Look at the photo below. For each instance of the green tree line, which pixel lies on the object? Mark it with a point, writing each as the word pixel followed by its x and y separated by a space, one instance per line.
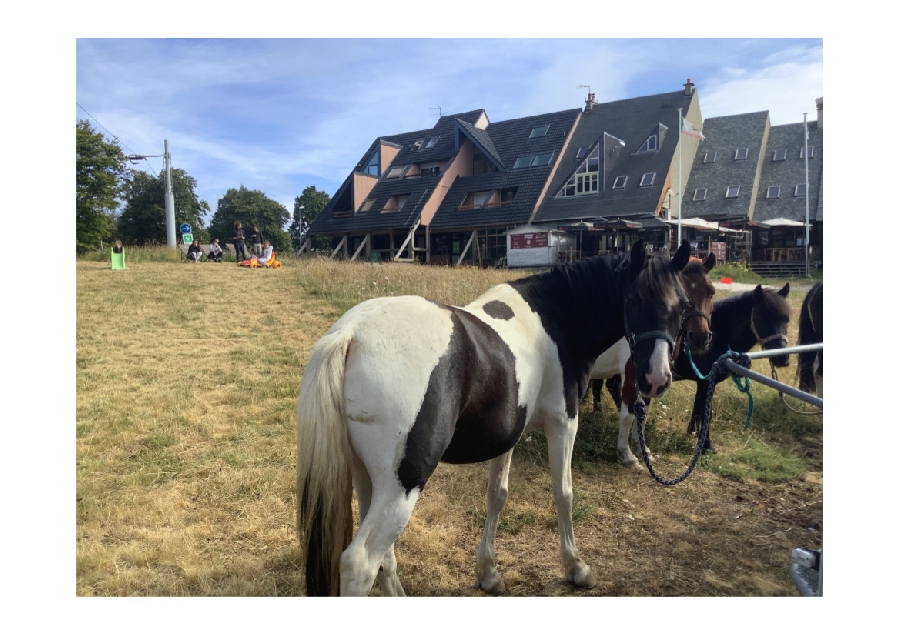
pixel 104 184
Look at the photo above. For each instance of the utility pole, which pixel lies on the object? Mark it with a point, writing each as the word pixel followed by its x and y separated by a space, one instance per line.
pixel 170 201
pixel 170 198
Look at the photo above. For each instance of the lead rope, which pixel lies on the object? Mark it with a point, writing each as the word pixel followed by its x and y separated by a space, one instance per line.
pixel 718 372
pixel 816 411
pixel 742 383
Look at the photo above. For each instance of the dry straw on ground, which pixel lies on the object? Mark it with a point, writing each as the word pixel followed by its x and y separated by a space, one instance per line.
pixel 187 379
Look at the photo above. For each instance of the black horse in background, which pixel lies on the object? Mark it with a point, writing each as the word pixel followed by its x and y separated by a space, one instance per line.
pixel 739 323
pixel 809 365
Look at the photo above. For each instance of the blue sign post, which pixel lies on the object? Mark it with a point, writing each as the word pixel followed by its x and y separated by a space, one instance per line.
pixel 186 237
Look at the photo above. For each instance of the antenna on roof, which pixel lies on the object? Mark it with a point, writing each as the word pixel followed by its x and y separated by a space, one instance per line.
pixel 589 102
pixel 438 108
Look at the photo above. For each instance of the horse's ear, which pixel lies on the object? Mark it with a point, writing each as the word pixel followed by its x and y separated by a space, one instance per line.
pixel 681 257
pixel 758 293
pixel 785 290
pixel 710 262
pixel 637 257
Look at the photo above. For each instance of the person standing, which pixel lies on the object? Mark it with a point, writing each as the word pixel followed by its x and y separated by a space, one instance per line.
pixel 256 238
pixel 238 239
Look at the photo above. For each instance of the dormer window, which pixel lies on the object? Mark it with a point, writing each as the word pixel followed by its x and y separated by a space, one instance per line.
pixel 395 203
pixel 396 172
pixel 475 200
pixel 773 191
pixel 507 195
pixel 367 205
pixel 648 179
pixel 651 144
pixel 810 151
pixel 741 154
pixel 800 190
pixel 430 169
pixel 700 194
pixel 586 179
pixel 582 152
pixel 732 191
pixel 538 131
pixel 371 166
pixel 710 156
pixel 418 144
pixel 779 155
pixel 619 183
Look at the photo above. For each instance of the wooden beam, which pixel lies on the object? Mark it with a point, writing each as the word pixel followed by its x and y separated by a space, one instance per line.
pixel 468 244
pixel 338 248
pixel 360 248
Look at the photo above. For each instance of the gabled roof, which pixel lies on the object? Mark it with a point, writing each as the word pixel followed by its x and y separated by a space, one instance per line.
pixel 724 136
pixel 790 172
pixel 510 139
pixel 632 121
pixel 482 141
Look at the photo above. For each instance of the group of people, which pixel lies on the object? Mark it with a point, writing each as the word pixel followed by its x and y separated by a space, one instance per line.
pixel 262 250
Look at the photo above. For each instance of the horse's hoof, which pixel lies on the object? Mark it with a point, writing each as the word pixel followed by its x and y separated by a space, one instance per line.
pixel 709 449
pixel 497 587
pixel 584 578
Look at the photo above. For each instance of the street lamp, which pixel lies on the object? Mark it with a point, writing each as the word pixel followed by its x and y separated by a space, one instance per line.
pixel 170 199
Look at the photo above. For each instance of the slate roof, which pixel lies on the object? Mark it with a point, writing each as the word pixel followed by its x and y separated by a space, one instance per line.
pixel 790 172
pixel 510 140
pixel 632 121
pixel 724 136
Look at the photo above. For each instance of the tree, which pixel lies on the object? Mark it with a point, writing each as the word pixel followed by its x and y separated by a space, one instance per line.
pixel 144 218
pixel 99 172
pixel 307 208
pixel 251 207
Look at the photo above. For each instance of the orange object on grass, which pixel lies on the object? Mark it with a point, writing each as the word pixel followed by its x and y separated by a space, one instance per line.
pixel 725 280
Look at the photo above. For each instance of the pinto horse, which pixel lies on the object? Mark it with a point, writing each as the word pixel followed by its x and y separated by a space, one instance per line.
pixel 695 330
pixel 738 324
pixel 399 384
pixel 809 365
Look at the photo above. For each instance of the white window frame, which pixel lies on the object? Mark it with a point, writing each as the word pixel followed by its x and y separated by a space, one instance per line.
pixel 643 182
pixel 710 156
pixel 733 191
pixel 431 143
pixel 523 162
pixel 779 155
pixel 741 154
pixel 539 131
pixel 534 162
pixel 700 194
pixel 396 172
pixel 812 152
pixel 617 186
pixel 800 190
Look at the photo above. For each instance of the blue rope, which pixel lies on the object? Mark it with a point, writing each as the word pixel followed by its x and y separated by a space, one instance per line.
pixel 744 388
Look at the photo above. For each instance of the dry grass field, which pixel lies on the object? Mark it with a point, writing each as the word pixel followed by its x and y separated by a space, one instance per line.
pixel 186 385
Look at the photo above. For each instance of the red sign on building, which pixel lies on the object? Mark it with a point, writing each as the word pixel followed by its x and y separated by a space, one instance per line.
pixel 529 240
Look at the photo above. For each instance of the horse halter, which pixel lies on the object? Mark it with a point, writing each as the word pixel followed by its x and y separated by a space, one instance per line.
pixel 633 339
pixel 765 340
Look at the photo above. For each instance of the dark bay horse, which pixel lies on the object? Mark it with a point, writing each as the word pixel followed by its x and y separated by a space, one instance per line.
pixel 809 365
pixel 399 384
pixel 740 322
pixel 695 330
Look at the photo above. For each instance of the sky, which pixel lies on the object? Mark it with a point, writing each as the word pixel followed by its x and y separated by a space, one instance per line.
pixel 279 115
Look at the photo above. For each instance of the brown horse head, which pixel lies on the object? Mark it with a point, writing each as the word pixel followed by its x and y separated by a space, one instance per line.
pixel 700 292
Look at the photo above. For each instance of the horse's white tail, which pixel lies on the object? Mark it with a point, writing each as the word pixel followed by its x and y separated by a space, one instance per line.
pixel 324 481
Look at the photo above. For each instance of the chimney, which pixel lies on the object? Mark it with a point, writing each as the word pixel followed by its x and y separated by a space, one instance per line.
pixel 589 102
pixel 689 87
pixel 819 113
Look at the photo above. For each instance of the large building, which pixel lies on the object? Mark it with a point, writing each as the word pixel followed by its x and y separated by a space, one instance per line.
pixel 609 173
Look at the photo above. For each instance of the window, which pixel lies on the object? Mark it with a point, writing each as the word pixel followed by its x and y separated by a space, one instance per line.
pixel 741 154
pixel 371 166
pixel 507 195
pixel 430 169
pixel 582 152
pixel 809 151
pixel 779 155
pixel 367 205
pixel 431 142
pixel 401 201
pixel 522 162
pixel 651 144
pixel 700 194
pixel 647 179
pixel 418 144
pixel 586 179
pixel 538 131
pixel 476 199
pixel 619 183
pixel 395 203
pixel 542 159
pixel 397 172
pixel 710 156
pixel 800 190
pixel 773 191
pixel 732 191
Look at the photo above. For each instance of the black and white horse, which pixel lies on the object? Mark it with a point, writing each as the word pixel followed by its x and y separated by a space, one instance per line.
pixel 809 365
pixel 399 384
pixel 739 323
pixel 695 331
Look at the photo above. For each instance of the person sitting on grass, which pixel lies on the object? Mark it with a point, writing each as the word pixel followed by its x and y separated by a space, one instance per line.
pixel 215 251
pixel 194 252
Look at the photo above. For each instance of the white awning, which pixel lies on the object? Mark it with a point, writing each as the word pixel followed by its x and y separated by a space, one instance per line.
pixel 781 222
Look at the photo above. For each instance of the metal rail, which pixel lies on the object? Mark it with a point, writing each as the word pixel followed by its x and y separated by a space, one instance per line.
pixel 772 383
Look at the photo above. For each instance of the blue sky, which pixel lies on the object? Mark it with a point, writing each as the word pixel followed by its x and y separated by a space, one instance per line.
pixel 279 115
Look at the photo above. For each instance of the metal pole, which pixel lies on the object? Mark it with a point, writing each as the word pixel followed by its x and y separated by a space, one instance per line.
pixel 806 223
pixel 170 201
pixel 771 383
pixel 680 185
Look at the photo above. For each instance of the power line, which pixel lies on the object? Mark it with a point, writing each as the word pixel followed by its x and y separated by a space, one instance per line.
pixel 114 138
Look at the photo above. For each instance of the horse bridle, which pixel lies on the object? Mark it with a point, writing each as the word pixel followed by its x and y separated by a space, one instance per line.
pixel 691 312
pixel 633 339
